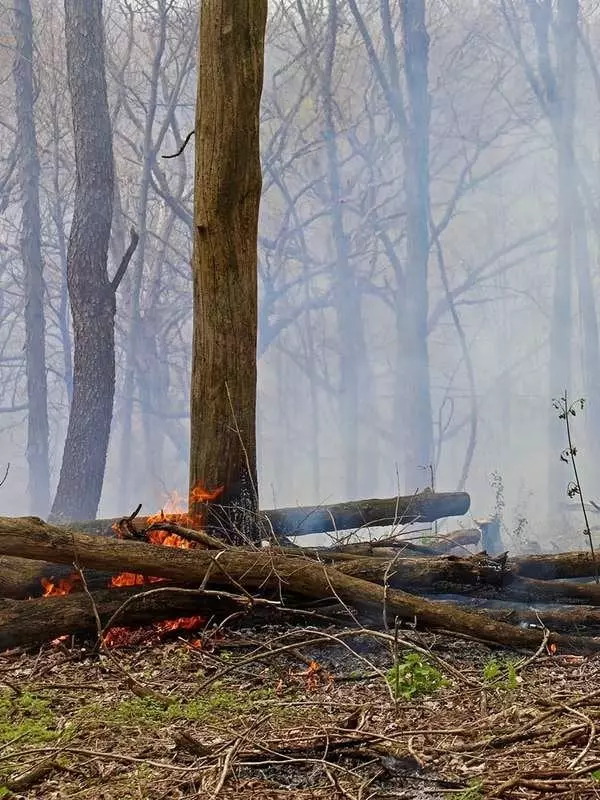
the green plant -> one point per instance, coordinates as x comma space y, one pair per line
472, 792
27, 717
413, 677
494, 671
567, 410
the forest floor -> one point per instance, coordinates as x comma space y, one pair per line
235, 715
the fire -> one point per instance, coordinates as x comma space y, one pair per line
173, 513
121, 637
174, 509
61, 587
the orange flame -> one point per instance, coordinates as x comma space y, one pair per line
61, 587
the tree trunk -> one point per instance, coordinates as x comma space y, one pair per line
91, 294
413, 396
227, 196
31, 252
304, 520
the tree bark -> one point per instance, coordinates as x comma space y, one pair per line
32, 538
31, 252
578, 564
226, 202
91, 294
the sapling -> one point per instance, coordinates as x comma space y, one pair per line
565, 412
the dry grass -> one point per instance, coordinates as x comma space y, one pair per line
315, 720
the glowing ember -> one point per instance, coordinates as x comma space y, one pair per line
123, 637
61, 587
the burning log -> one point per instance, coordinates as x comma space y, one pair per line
32, 538
28, 622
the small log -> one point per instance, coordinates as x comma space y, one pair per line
426, 506
29, 622
544, 566
566, 618
31, 537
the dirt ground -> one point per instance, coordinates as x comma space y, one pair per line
289, 712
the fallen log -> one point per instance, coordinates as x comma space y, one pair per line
20, 577
29, 622
427, 506
569, 618
577, 564
32, 538
484, 577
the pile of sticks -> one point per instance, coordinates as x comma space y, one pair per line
374, 582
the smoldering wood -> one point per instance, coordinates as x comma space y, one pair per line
575, 564
32, 538
29, 622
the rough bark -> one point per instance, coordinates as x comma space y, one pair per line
29, 622
31, 253
32, 538
91, 294
226, 203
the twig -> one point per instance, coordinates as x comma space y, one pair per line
127, 256
183, 146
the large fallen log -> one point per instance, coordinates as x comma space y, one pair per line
427, 506
32, 538
29, 622
20, 578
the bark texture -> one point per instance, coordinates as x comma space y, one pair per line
226, 203
91, 294
31, 253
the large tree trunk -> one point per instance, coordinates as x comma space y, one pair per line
227, 196
413, 396
29, 179
32, 538
91, 294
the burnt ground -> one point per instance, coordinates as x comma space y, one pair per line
233, 715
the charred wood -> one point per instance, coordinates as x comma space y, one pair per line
29, 622
32, 538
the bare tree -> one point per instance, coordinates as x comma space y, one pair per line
91, 292
227, 197
31, 253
